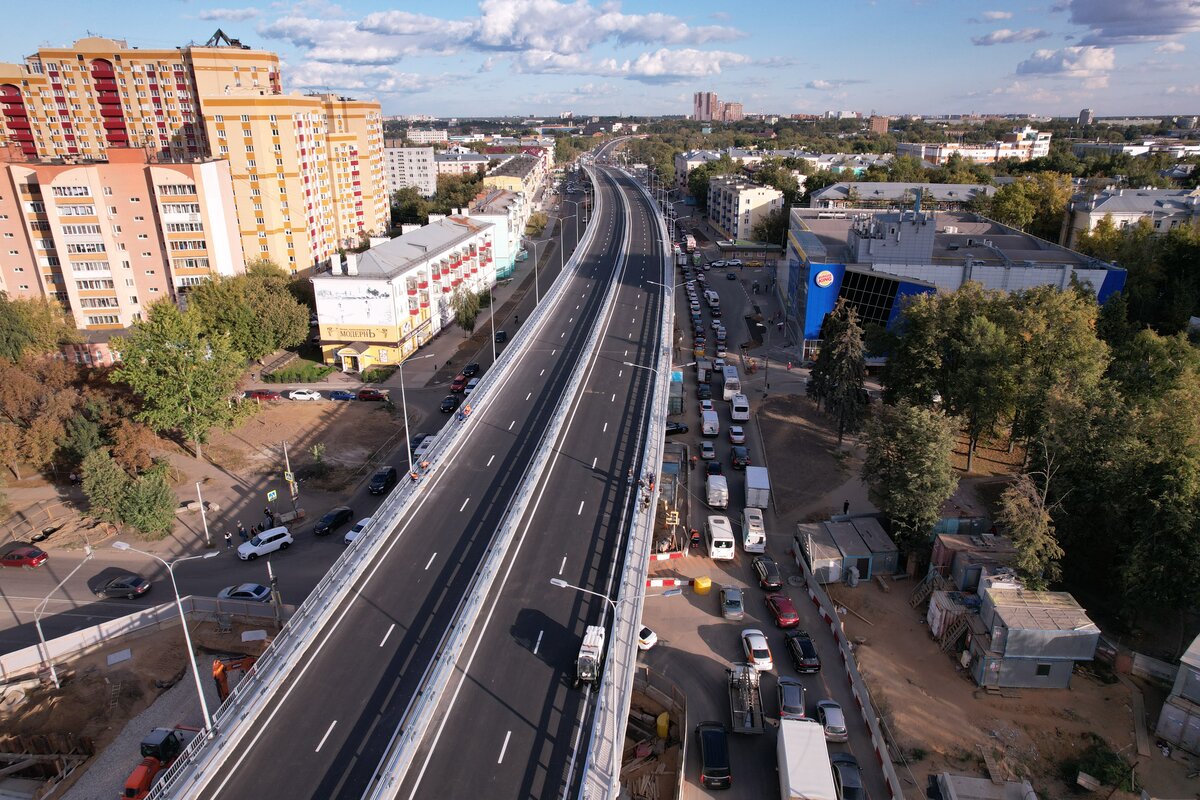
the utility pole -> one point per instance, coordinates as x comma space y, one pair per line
203, 516
290, 477
276, 600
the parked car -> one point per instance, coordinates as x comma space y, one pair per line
23, 554
471, 370
676, 427
847, 778
333, 519
791, 699
707, 451
383, 479
758, 652
268, 541
341, 394
304, 394
127, 585
263, 394
459, 383
769, 576
472, 385
732, 604
715, 770
450, 403
353, 534
803, 652
737, 434
251, 592
783, 612
739, 456
646, 638
830, 715
372, 394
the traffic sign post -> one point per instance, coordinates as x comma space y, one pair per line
272, 496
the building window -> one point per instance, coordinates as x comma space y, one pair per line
1043, 670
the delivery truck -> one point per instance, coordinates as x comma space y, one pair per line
745, 699
717, 491
804, 771
758, 487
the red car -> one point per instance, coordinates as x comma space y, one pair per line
459, 383
782, 611
263, 394
371, 394
23, 555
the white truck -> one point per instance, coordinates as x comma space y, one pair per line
717, 490
804, 771
710, 424
591, 654
745, 699
754, 532
758, 487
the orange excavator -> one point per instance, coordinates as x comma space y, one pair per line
159, 750
223, 666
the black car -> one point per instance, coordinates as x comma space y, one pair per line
128, 585
449, 403
846, 777
803, 652
713, 468
471, 370
501, 337
676, 427
704, 392
769, 576
740, 457
333, 519
383, 479
716, 312
731, 276
715, 771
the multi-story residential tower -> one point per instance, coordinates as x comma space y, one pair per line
409, 166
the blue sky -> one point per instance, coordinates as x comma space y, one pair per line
540, 57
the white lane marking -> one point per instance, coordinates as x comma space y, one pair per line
563, 334
430, 562
543, 372
503, 747
572, 319
385, 637
620, 372
626, 354
528, 396
464, 505
614, 398
579, 513
555, 350
562, 566
510, 425
577, 306
490, 460
594, 462
326, 736
605, 430
538, 643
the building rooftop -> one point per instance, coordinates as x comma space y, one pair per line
517, 167
1020, 609
398, 255
494, 201
904, 192
1192, 656
476, 158
966, 787
1142, 201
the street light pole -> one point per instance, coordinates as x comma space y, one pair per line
187, 636
203, 516
41, 609
537, 291
404, 405
562, 242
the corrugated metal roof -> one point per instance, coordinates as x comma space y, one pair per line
847, 539
873, 535
1020, 609
399, 254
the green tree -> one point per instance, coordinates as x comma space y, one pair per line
185, 379
1026, 519
36, 326
772, 228
1112, 325
83, 435
699, 177
841, 368
104, 485
908, 468
982, 387
536, 224
465, 305
256, 310
1013, 206
148, 504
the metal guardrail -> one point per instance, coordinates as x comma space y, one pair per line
601, 771
231, 720
390, 775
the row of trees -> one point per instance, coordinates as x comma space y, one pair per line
453, 191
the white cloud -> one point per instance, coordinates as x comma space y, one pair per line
231, 14
1192, 90
1020, 89
1117, 22
1091, 64
829, 85
1170, 47
346, 77
667, 66
990, 16
1006, 36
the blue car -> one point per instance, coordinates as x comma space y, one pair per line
341, 394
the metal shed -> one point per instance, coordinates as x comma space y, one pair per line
963, 557
820, 552
854, 550
1031, 639
885, 556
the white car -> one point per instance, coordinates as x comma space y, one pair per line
707, 405
353, 534
304, 394
268, 541
471, 384
758, 654
737, 434
253, 592
646, 638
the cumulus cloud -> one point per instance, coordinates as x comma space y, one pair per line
1117, 22
1170, 47
1090, 64
668, 66
229, 14
991, 16
1192, 90
344, 77
830, 85
1006, 36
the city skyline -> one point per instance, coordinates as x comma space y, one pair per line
543, 57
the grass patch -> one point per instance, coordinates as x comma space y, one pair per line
299, 372
378, 374
1102, 763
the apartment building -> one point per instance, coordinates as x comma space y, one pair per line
108, 238
460, 163
1022, 144
377, 307
736, 205
409, 166
889, 194
508, 213
707, 107
1163, 208
427, 136
522, 174
307, 170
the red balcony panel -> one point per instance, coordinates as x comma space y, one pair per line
416, 312
412, 292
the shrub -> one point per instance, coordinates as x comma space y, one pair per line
1102, 763
377, 374
299, 372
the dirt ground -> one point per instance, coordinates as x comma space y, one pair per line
794, 427
943, 722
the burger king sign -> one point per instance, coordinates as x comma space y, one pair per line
823, 279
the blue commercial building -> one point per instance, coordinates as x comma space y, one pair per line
875, 259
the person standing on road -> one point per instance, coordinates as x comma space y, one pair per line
241, 529
228, 540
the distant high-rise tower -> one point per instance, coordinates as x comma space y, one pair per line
705, 107
879, 124
1087, 117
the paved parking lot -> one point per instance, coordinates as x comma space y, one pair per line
695, 643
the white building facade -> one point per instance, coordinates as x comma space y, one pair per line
736, 205
409, 166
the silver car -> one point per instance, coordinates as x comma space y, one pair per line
732, 605
829, 714
791, 699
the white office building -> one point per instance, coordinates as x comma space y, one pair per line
409, 166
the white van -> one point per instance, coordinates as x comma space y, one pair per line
716, 491
732, 382
739, 408
720, 538
710, 425
713, 299
754, 532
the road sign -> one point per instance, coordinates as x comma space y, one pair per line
289, 477
272, 496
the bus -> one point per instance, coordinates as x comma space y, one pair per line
733, 383
689, 243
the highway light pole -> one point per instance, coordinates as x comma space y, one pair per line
41, 609
187, 636
615, 764
404, 404
537, 291
562, 240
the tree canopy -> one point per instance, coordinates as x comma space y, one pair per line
38, 325
256, 310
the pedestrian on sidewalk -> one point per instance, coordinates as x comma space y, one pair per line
228, 540
241, 529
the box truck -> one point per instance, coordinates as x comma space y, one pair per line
717, 490
710, 425
758, 487
804, 771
